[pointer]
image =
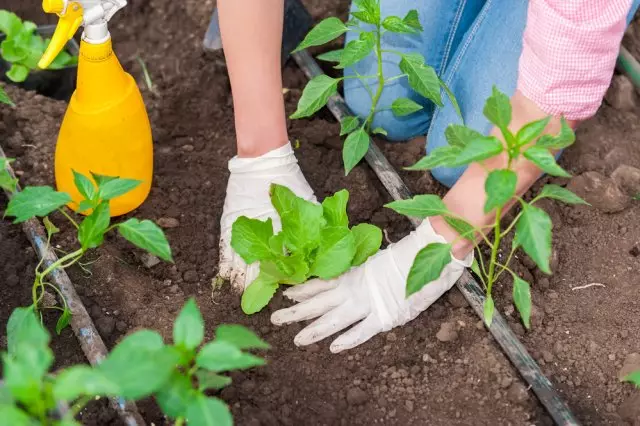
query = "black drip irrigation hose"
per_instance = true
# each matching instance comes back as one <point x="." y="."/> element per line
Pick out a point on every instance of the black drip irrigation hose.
<point x="500" y="330"/>
<point x="81" y="323"/>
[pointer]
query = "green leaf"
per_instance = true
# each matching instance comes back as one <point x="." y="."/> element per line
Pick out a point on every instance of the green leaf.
<point x="84" y="185"/>
<point x="188" y="330"/>
<point x="63" y="321"/>
<point x="240" y="337"/>
<point x="500" y="187"/>
<point x="397" y="25"/>
<point x="276" y="243"/>
<point x="301" y="225"/>
<point x="14" y="416"/>
<point x="460" y="136"/>
<point x="355" y="148"/>
<point x="368" y="239"/>
<point x="291" y="269"/>
<point x="357" y="50"/>
<point x="404" y="106"/>
<point x="93" y="227"/>
<point x="337" y="250"/>
<point x="141" y="364"/>
<point x="420" y="206"/>
<point x="82" y="380"/>
<point x="369" y="11"/>
<point x="24" y="372"/>
<point x="35" y="201"/>
<point x="441" y="156"/>
<point x="564" y="139"/>
<point x="203" y="411"/>
<point x="546" y="162"/>
<point x="259" y="293"/>
<point x="63" y="60"/>
<point x="559" y="193"/>
<point x="498" y="109"/>
<point x="101" y="180"/>
<point x="282" y="198"/>
<point x="634" y="378"/>
<point x="475" y="267"/>
<point x="18" y="73"/>
<point x="86" y="205"/>
<point x="379" y="131"/>
<point x="13" y="51"/>
<point x="412" y="19"/>
<point x="522" y="299"/>
<point x="315" y="95"/>
<point x="452" y="98"/>
<point x="334" y="209"/>
<point x="219" y="356"/>
<point x="478" y="150"/>
<point x="175" y="396"/>
<point x="422" y="78"/>
<point x="7" y="182"/>
<point x="50" y="227"/>
<point x="533" y="234"/>
<point x="327" y="30"/>
<point x="23" y="327"/>
<point x="348" y="125"/>
<point x="489" y="309"/>
<point x="462" y="227"/>
<point x="10" y="23"/>
<point x="208" y="380"/>
<point x="146" y="235"/>
<point x="4" y="98"/>
<point x="531" y="131"/>
<point x="428" y="266"/>
<point x="116" y="187"/>
<point x="332" y="56"/>
<point x="250" y="239"/>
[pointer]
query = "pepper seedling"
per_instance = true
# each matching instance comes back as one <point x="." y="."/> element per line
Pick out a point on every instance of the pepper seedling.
<point x="40" y="201"/>
<point x="23" y="48"/>
<point x="532" y="225"/>
<point x="315" y="241"/>
<point x="367" y="21"/>
<point x="140" y="366"/>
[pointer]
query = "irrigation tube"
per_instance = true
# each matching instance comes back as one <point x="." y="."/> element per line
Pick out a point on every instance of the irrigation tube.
<point x="81" y="323"/>
<point x="500" y="330"/>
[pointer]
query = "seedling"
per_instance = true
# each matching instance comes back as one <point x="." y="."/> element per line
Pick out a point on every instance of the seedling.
<point x="532" y="225"/>
<point x="634" y="378"/>
<point x="40" y="201"/>
<point x="141" y="365"/>
<point x="23" y="48"/>
<point x="315" y="241"/>
<point x="371" y="27"/>
<point x="4" y="98"/>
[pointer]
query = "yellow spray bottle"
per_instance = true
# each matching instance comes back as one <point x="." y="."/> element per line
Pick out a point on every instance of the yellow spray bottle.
<point x="106" y="129"/>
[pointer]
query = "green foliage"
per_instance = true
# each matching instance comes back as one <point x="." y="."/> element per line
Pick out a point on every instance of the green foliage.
<point x="421" y="77"/>
<point x="428" y="266"/>
<point x="4" y="98"/>
<point x="7" y="182"/>
<point x="315" y="241"/>
<point x="23" y="48"/>
<point x="634" y="378"/>
<point x="141" y="365"/>
<point x="41" y="201"/>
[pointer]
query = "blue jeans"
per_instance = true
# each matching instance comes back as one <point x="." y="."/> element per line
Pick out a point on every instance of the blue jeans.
<point x="472" y="45"/>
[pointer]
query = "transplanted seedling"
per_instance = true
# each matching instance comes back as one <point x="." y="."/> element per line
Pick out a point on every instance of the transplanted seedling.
<point x="371" y="27"/>
<point x="315" y="241"/>
<point x="40" y="201"/>
<point x="532" y="225"/>
<point x="140" y="366"/>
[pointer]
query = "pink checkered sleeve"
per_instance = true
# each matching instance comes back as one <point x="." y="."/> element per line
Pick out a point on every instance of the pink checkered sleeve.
<point x="569" y="53"/>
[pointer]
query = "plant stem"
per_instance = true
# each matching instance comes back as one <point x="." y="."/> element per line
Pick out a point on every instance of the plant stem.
<point x="511" y="225"/>
<point x="73" y="222"/>
<point x="389" y="80"/>
<point x="494" y="251"/>
<point x="513" y="250"/>
<point x="61" y="261"/>
<point x="376" y="97"/>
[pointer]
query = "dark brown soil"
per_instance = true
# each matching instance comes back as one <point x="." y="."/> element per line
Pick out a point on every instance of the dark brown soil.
<point x="581" y="337"/>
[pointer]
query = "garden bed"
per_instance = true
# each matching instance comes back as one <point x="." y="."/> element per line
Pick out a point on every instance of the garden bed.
<point x="412" y="375"/>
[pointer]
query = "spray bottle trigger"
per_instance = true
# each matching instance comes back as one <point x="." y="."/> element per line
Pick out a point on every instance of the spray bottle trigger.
<point x="68" y="24"/>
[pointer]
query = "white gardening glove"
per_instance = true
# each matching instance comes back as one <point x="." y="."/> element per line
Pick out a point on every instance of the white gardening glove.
<point x="373" y="292"/>
<point x="248" y="195"/>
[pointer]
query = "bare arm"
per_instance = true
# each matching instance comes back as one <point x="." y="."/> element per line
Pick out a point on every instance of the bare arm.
<point x="252" y="37"/>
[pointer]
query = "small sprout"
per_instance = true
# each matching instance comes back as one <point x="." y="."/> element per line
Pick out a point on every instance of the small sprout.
<point x="147" y="76"/>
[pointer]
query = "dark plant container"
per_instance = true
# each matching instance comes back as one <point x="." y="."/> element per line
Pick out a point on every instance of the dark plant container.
<point x="56" y="84"/>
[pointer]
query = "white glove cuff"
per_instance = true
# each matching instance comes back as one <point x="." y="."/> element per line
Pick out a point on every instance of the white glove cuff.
<point x="276" y="158"/>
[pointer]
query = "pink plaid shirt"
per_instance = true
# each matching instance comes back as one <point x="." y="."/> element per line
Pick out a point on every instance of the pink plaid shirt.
<point x="569" y="53"/>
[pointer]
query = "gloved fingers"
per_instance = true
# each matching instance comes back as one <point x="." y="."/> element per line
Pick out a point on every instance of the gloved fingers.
<point x="311" y="288"/>
<point x="238" y="277"/>
<point x="309" y="309"/>
<point x="357" y="335"/>
<point x="225" y="263"/>
<point x="330" y="323"/>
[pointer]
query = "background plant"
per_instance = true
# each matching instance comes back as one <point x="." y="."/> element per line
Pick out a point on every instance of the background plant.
<point x="533" y="227"/>
<point x="40" y="201"/>
<point x="315" y="241"/>
<point x="23" y="48"/>
<point x="141" y="365"/>
<point x="421" y="77"/>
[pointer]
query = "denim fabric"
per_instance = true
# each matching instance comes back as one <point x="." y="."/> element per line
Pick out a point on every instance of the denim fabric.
<point x="472" y="44"/>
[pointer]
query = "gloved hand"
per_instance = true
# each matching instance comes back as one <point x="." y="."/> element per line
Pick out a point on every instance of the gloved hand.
<point x="373" y="292"/>
<point x="248" y="195"/>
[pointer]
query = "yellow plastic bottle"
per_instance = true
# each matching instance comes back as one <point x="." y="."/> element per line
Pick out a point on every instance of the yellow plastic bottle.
<point x="106" y="129"/>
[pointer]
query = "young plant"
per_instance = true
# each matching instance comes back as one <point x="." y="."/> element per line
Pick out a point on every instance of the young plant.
<point x="634" y="378"/>
<point x="315" y="241"/>
<point x="368" y="22"/>
<point x="23" y="48"/>
<point x="532" y="225"/>
<point x="141" y="365"/>
<point x="40" y="201"/>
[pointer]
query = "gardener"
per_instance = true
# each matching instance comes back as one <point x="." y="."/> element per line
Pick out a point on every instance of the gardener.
<point x="555" y="57"/>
